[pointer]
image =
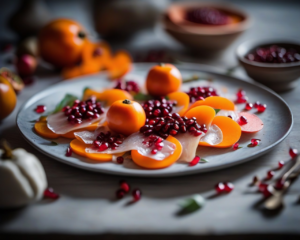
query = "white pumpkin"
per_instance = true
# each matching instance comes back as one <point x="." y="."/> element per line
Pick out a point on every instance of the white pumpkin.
<point x="22" y="178"/>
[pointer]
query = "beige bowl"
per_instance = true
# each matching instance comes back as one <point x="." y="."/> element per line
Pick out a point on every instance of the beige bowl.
<point x="277" y="76"/>
<point x="202" y="37"/>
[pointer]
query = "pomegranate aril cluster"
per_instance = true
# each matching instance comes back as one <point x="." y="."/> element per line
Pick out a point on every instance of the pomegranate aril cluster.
<point x="207" y="16"/>
<point x="274" y="54"/>
<point x="81" y="110"/>
<point x="154" y="142"/>
<point x="158" y="108"/>
<point x="125" y="188"/>
<point x="241" y="96"/>
<point x="106" y="140"/>
<point x="200" y="93"/>
<point x="129" y="86"/>
<point x="172" y="124"/>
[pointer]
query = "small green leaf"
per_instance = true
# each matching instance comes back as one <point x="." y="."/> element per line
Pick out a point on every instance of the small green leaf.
<point x="202" y="160"/>
<point x="240" y="147"/>
<point x="54" y="143"/>
<point x="192" y="204"/>
<point x="217" y="110"/>
<point x="33" y="121"/>
<point x="66" y="101"/>
<point x="231" y="70"/>
<point x="142" y="97"/>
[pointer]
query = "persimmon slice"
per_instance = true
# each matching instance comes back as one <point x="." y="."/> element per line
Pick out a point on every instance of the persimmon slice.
<point x="231" y="132"/>
<point x="254" y="123"/>
<point x="150" y="163"/>
<point x="215" y="102"/>
<point x="203" y="114"/>
<point x="183" y="101"/>
<point x="42" y="129"/>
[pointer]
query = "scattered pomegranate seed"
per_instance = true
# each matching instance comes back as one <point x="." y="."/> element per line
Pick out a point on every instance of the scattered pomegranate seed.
<point x="195" y="161"/>
<point x="240" y="93"/>
<point x="136" y="193"/>
<point x="249" y="106"/>
<point x="270" y="174"/>
<point x="220" y="187"/>
<point x="255" y="180"/>
<point x="200" y="93"/>
<point x="124" y="186"/>
<point x="120" y="160"/>
<point x="40" y="108"/>
<point x="154" y="151"/>
<point x="228" y="187"/>
<point x="256" y="104"/>
<point x="120" y="193"/>
<point x="49" y="193"/>
<point x="241" y="100"/>
<point x="261" y="108"/>
<point x="103" y="147"/>
<point x="69" y="152"/>
<point x="281" y="164"/>
<point x="236" y="146"/>
<point x="243" y="120"/>
<point x="293" y="152"/>
<point x="268" y="191"/>
<point x="262" y="187"/>
<point x="229" y="116"/>
<point x="279" y="184"/>
<point x="254" y="142"/>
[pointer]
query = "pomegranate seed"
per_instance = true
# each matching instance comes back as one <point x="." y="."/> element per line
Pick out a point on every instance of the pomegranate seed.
<point x="197" y="133"/>
<point x="120" y="193"/>
<point x="262" y="187"/>
<point x="220" y="187"/>
<point x="97" y="143"/>
<point x="69" y="152"/>
<point x="154" y="151"/>
<point x="173" y="132"/>
<point x="120" y="160"/>
<point x="228" y="187"/>
<point x="249" y="106"/>
<point x="243" y="120"/>
<point x="49" y="193"/>
<point x="268" y="191"/>
<point x="241" y="100"/>
<point x="201" y="93"/>
<point x="40" y="108"/>
<point x="256" y="104"/>
<point x="182" y="129"/>
<point x="261" y="108"/>
<point x="136" y="193"/>
<point x="254" y="142"/>
<point x="156" y="112"/>
<point x="159" y="145"/>
<point x="281" y="164"/>
<point x="270" y="174"/>
<point x="236" y="146"/>
<point x="240" y="93"/>
<point x="103" y="147"/>
<point x="229" y="116"/>
<point x="195" y="161"/>
<point x="293" y="152"/>
<point x="125" y="186"/>
<point x="279" y="184"/>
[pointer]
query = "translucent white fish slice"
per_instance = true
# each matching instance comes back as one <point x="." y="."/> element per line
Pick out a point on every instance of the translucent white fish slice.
<point x="132" y="142"/>
<point x="213" y="136"/>
<point x="226" y="113"/>
<point x="59" y="124"/>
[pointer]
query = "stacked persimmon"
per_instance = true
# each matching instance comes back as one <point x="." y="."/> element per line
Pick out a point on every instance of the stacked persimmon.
<point x="168" y="118"/>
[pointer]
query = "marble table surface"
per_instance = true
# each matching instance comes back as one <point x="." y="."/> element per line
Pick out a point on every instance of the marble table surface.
<point x="87" y="205"/>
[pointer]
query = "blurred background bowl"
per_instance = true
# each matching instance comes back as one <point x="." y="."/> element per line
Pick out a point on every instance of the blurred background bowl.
<point x="277" y="76"/>
<point x="204" y="38"/>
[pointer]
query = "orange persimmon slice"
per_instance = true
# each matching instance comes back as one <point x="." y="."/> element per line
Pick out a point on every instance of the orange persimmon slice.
<point x="183" y="101"/>
<point x="42" y="129"/>
<point x="150" y="163"/>
<point x="203" y="114"/>
<point x="231" y="132"/>
<point x="254" y="123"/>
<point x="119" y="65"/>
<point x="215" y="102"/>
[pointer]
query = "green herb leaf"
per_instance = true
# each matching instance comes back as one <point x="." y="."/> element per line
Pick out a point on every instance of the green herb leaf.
<point x="66" y="101"/>
<point x="240" y="147"/>
<point x="33" y="121"/>
<point x="142" y="97"/>
<point x="54" y="143"/>
<point x="192" y="204"/>
<point x="217" y="110"/>
<point x="231" y="70"/>
<point x="202" y="160"/>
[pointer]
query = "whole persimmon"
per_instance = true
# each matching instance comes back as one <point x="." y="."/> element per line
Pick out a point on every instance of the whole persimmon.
<point x="163" y="79"/>
<point x="61" y="42"/>
<point x="125" y="117"/>
<point x="8" y="98"/>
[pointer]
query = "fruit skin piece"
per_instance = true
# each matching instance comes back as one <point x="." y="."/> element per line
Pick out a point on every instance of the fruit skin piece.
<point x="254" y="123"/>
<point x="108" y="96"/>
<point x="125" y="117"/>
<point x="163" y="79"/>
<point x="215" y="102"/>
<point x="8" y="98"/>
<point x="203" y="114"/>
<point x="182" y="99"/>
<point x="79" y="147"/>
<point x="150" y="163"/>
<point x="61" y="42"/>
<point x="231" y="132"/>
<point x="16" y="82"/>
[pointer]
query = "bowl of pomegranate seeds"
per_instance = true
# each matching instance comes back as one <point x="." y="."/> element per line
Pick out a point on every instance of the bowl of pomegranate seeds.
<point x="205" y="27"/>
<point x="276" y="64"/>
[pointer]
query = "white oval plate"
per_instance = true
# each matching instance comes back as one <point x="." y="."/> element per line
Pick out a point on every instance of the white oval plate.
<point x="277" y="120"/>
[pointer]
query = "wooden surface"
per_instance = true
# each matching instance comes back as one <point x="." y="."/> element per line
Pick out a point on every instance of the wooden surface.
<point x="87" y="204"/>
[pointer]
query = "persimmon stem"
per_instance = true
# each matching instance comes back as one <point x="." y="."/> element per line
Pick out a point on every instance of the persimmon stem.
<point x="161" y="64"/>
<point x="7" y="150"/>
<point x="126" y="101"/>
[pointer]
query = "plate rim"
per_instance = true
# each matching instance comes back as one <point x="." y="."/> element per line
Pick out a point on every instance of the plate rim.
<point x="187" y="66"/>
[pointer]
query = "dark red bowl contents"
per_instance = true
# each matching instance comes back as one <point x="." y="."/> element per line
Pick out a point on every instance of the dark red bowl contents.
<point x="207" y="16"/>
<point x="274" y="54"/>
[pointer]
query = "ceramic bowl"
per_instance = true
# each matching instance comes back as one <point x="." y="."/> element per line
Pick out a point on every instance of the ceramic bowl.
<point x="201" y="37"/>
<point x="277" y="76"/>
